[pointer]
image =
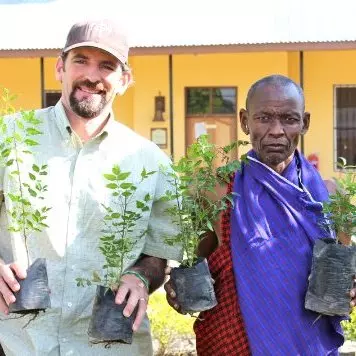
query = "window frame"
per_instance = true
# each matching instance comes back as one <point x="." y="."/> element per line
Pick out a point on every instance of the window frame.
<point x="335" y="128"/>
<point x="50" y="92"/>
<point x="210" y="113"/>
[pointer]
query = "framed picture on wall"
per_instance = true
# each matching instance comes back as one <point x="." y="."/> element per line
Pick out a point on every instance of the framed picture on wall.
<point x="159" y="137"/>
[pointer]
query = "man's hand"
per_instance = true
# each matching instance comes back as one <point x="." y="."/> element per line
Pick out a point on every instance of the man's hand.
<point x="137" y="293"/>
<point x="9" y="284"/>
<point x="171" y="294"/>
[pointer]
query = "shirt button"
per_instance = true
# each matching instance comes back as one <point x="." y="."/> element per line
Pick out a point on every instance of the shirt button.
<point x="69" y="305"/>
<point x="64" y="340"/>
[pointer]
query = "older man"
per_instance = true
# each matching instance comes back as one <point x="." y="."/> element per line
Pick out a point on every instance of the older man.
<point x="81" y="141"/>
<point x="262" y="265"/>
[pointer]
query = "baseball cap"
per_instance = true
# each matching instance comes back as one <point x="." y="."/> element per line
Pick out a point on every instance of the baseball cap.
<point x="104" y="34"/>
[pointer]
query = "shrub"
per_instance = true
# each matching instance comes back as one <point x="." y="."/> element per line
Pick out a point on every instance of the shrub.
<point x="350" y="326"/>
<point x="169" y="326"/>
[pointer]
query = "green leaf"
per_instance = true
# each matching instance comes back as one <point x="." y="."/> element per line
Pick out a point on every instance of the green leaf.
<point x="32" y="192"/>
<point x="29" y="223"/>
<point x="6" y="153"/>
<point x="13" y="197"/>
<point x="125" y="185"/>
<point x="32" y="176"/>
<point x="96" y="278"/>
<point x="147" y="197"/>
<point x="115" y="215"/>
<point x="116" y="170"/>
<point x="210" y="227"/>
<point x="230" y="198"/>
<point x="9" y="162"/>
<point x="17" y="137"/>
<point x="112" y="186"/>
<point x="35" y="168"/>
<point x="110" y="177"/>
<point x="33" y="131"/>
<point x="30" y="142"/>
<point x="140" y="204"/>
<point x="123" y="176"/>
<point x="20" y="124"/>
<point x="80" y="282"/>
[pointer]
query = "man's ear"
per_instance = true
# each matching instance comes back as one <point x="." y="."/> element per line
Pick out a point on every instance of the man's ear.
<point x="306" y="122"/>
<point x="244" y="121"/>
<point x="59" y="69"/>
<point x="125" y="81"/>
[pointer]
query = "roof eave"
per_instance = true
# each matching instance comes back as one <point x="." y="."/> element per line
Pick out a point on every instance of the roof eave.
<point x="226" y="48"/>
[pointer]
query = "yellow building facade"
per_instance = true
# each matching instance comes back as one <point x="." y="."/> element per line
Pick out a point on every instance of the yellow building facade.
<point x="321" y="71"/>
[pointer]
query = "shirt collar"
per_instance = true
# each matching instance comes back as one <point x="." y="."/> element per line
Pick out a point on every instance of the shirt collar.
<point x="66" y="130"/>
<point x="62" y="120"/>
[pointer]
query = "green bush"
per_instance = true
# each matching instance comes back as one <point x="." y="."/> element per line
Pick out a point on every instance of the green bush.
<point x="167" y="325"/>
<point x="350" y="326"/>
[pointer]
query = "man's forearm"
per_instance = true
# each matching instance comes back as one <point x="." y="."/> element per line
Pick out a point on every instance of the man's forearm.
<point x="208" y="244"/>
<point x="152" y="268"/>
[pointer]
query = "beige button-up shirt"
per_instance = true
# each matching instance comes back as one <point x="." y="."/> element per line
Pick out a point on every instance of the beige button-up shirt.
<point x="76" y="190"/>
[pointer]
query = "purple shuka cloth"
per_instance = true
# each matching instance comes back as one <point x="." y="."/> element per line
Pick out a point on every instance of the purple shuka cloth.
<point x="274" y="224"/>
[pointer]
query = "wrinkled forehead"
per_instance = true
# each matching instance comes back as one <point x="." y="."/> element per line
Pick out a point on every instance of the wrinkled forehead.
<point x="276" y="97"/>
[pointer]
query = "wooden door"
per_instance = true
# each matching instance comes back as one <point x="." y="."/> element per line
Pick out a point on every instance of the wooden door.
<point x="221" y="130"/>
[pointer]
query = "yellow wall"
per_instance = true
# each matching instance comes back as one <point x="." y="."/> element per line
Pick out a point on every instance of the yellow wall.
<point x="293" y="66"/>
<point x="51" y="82"/>
<point x="151" y="79"/>
<point x="22" y="77"/>
<point x="240" y="69"/>
<point x="323" y="70"/>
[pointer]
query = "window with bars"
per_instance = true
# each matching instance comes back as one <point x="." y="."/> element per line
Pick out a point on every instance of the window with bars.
<point x="211" y="101"/>
<point x="345" y="123"/>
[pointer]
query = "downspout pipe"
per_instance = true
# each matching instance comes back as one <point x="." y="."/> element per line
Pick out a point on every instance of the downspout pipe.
<point x="301" y="82"/>
<point x="43" y="99"/>
<point x="171" y="109"/>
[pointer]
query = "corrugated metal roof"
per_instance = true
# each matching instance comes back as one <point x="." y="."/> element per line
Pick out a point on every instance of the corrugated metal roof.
<point x="157" y="23"/>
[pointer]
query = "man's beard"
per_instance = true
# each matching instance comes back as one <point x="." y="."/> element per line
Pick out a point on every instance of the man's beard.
<point x="87" y="108"/>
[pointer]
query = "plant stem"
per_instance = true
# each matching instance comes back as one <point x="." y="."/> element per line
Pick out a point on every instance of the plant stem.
<point x="22" y="196"/>
<point x="123" y="233"/>
<point x="183" y="228"/>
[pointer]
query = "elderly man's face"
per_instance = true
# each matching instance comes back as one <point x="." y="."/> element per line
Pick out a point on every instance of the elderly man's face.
<point x="274" y="120"/>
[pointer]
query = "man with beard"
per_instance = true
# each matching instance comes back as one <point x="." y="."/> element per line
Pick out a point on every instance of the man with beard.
<point x="262" y="264"/>
<point x="81" y="142"/>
